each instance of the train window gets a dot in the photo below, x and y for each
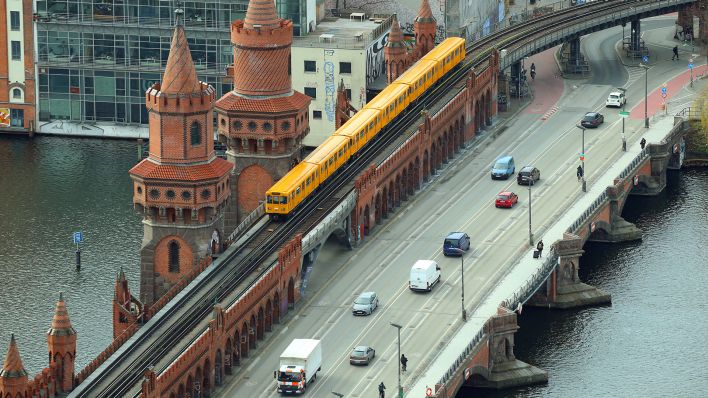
(297, 191)
(269, 199)
(371, 125)
(390, 107)
(330, 161)
(361, 134)
(283, 200)
(302, 186)
(308, 181)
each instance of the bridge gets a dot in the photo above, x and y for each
(221, 337)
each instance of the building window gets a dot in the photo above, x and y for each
(196, 134)
(317, 114)
(16, 50)
(17, 118)
(15, 20)
(310, 66)
(345, 67)
(16, 93)
(311, 92)
(173, 250)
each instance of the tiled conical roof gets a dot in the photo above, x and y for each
(61, 324)
(180, 75)
(395, 38)
(425, 14)
(261, 12)
(13, 363)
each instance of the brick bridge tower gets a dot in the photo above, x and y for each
(425, 28)
(182, 187)
(263, 119)
(396, 53)
(61, 339)
(13, 376)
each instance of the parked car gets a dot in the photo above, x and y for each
(365, 304)
(506, 199)
(592, 119)
(503, 167)
(455, 241)
(362, 355)
(616, 98)
(528, 175)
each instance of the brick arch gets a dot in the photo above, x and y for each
(268, 316)
(228, 356)
(206, 378)
(252, 332)
(377, 208)
(218, 367)
(244, 340)
(276, 307)
(260, 323)
(189, 386)
(384, 202)
(426, 166)
(402, 182)
(398, 189)
(461, 132)
(161, 260)
(291, 293)
(488, 99)
(236, 352)
(253, 182)
(180, 391)
(367, 219)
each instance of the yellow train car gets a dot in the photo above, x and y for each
(419, 77)
(330, 155)
(292, 189)
(447, 54)
(361, 128)
(391, 101)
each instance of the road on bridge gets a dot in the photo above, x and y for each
(459, 199)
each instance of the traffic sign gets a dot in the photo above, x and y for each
(690, 66)
(645, 59)
(78, 237)
(582, 156)
(663, 94)
(624, 114)
(663, 90)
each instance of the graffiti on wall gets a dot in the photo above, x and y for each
(375, 62)
(330, 86)
(4, 117)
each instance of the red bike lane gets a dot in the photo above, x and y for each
(548, 85)
(673, 87)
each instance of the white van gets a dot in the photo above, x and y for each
(424, 275)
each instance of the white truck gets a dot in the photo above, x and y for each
(299, 364)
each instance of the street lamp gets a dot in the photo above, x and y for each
(530, 233)
(582, 155)
(462, 268)
(624, 140)
(338, 394)
(646, 84)
(397, 326)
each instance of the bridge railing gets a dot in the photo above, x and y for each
(247, 222)
(690, 113)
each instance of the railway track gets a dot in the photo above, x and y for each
(121, 374)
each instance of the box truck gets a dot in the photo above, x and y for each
(299, 364)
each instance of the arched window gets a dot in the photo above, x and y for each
(16, 93)
(196, 134)
(173, 250)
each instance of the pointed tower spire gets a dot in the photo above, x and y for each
(395, 38)
(425, 14)
(180, 74)
(396, 55)
(61, 342)
(13, 368)
(261, 13)
(425, 28)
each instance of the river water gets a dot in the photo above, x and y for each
(51, 187)
(651, 342)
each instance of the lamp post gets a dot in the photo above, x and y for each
(462, 268)
(338, 394)
(646, 84)
(530, 233)
(582, 155)
(397, 326)
(624, 140)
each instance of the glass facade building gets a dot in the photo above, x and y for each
(96, 58)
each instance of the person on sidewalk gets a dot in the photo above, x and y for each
(675, 56)
(404, 362)
(539, 247)
(579, 172)
(642, 143)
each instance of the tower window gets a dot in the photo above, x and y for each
(173, 249)
(196, 134)
(14, 20)
(16, 50)
(310, 66)
(16, 93)
(345, 67)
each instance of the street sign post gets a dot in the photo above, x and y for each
(624, 114)
(645, 59)
(690, 67)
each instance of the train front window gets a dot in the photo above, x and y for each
(283, 200)
(269, 199)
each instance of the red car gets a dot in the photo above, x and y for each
(506, 199)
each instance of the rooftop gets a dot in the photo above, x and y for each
(356, 31)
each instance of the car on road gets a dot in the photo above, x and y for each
(503, 167)
(362, 355)
(616, 98)
(592, 119)
(528, 175)
(365, 304)
(454, 242)
(506, 199)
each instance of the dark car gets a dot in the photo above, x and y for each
(592, 119)
(528, 175)
(362, 355)
(454, 242)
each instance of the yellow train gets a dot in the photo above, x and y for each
(291, 190)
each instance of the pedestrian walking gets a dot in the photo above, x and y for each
(642, 143)
(675, 56)
(579, 172)
(404, 362)
(382, 387)
(539, 247)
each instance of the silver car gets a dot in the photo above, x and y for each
(365, 304)
(361, 355)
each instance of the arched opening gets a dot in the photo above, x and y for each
(190, 387)
(403, 184)
(180, 391)
(426, 166)
(252, 332)
(268, 316)
(260, 324)
(237, 348)
(244, 340)
(384, 203)
(367, 218)
(206, 379)
(276, 308)
(197, 392)
(377, 208)
(228, 356)
(291, 293)
(59, 360)
(173, 254)
(217, 368)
